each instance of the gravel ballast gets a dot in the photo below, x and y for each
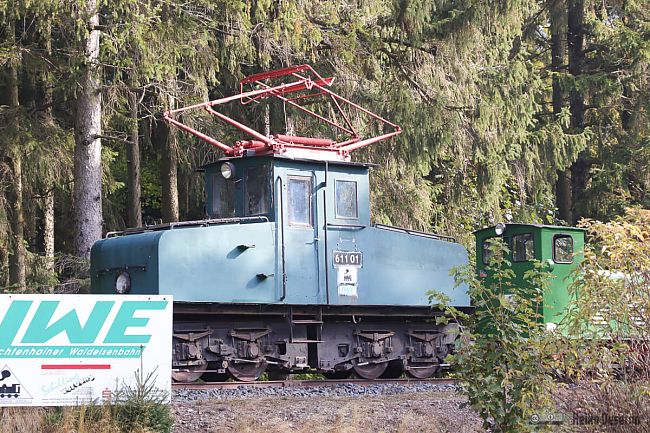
(342, 390)
(350, 408)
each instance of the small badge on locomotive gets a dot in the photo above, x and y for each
(347, 280)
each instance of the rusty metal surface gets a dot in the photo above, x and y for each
(308, 383)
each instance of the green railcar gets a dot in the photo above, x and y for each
(559, 248)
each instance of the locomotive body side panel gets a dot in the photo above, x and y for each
(223, 263)
(398, 268)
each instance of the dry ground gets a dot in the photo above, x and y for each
(434, 412)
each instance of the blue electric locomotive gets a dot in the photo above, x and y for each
(287, 273)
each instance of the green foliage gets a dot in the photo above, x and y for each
(603, 346)
(512, 367)
(611, 302)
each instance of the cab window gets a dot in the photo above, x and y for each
(223, 197)
(346, 199)
(299, 198)
(523, 247)
(563, 249)
(257, 190)
(487, 253)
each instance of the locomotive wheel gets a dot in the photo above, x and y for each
(394, 370)
(189, 374)
(246, 371)
(370, 371)
(341, 374)
(422, 372)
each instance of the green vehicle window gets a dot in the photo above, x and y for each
(563, 249)
(523, 247)
(487, 253)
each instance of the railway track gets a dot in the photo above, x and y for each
(300, 383)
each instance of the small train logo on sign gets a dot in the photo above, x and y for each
(11, 389)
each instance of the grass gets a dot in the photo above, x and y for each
(151, 418)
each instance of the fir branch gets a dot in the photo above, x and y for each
(418, 87)
(385, 40)
(113, 138)
(432, 50)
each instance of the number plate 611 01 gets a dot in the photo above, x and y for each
(347, 258)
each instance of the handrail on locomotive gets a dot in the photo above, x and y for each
(264, 85)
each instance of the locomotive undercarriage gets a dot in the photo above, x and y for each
(217, 341)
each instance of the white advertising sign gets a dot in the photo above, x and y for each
(60, 350)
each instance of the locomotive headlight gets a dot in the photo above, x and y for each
(499, 229)
(227, 170)
(123, 283)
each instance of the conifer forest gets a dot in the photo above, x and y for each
(511, 110)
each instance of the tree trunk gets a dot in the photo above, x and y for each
(15, 187)
(133, 166)
(169, 169)
(48, 229)
(88, 147)
(48, 195)
(575, 38)
(15, 195)
(558, 48)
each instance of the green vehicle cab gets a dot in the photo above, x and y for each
(560, 248)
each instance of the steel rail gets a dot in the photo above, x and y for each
(300, 383)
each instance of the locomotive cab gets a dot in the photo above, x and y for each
(559, 248)
(270, 186)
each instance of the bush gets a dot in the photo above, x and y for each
(142, 406)
(607, 343)
(502, 363)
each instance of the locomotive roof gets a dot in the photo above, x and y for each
(289, 158)
(539, 226)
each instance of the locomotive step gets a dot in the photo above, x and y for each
(307, 322)
(307, 341)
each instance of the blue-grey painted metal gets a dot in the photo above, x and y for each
(313, 214)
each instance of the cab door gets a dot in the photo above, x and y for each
(301, 236)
